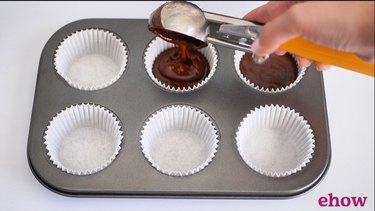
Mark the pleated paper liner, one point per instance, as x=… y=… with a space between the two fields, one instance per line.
x=91 y=59
x=83 y=139
x=237 y=59
x=158 y=45
x=275 y=141
x=179 y=140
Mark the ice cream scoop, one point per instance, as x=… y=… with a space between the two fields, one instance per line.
x=184 y=22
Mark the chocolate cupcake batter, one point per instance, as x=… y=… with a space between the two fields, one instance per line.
x=180 y=67
x=275 y=72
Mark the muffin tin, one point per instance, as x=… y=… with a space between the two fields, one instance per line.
x=134 y=97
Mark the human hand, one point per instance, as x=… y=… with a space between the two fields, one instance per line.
x=345 y=26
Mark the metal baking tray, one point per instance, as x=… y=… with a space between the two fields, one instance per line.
x=134 y=97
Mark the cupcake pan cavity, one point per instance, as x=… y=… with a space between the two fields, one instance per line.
x=134 y=97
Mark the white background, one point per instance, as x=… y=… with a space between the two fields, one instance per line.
x=25 y=28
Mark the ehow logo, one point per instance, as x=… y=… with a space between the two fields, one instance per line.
x=345 y=201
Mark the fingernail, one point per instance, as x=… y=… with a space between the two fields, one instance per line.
x=255 y=46
x=303 y=62
x=280 y=52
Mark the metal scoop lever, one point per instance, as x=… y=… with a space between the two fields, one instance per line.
x=238 y=37
x=247 y=32
x=235 y=33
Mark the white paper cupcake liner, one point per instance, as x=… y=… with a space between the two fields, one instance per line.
x=83 y=139
x=275 y=141
x=179 y=140
x=158 y=45
x=237 y=59
x=91 y=59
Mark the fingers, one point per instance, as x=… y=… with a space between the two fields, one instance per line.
x=280 y=52
x=291 y=22
x=303 y=62
x=286 y=26
x=267 y=12
x=322 y=67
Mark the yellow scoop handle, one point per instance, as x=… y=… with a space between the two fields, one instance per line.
x=309 y=50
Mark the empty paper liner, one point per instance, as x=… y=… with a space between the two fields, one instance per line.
x=83 y=139
x=91 y=59
x=179 y=140
x=275 y=141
